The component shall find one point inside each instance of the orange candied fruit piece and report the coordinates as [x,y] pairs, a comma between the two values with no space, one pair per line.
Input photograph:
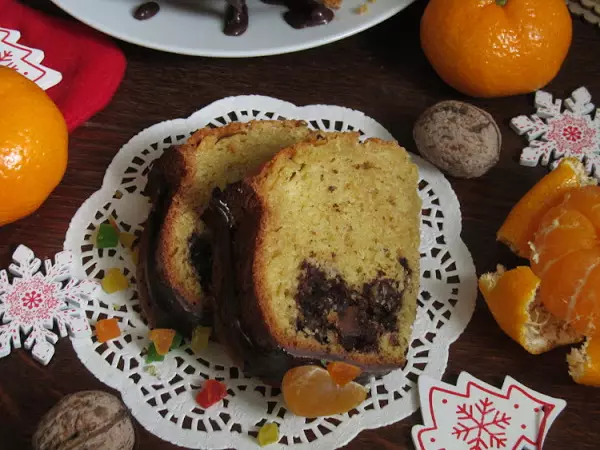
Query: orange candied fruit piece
[162,339]
[584,363]
[309,391]
[523,220]
[107,329]
[343,373]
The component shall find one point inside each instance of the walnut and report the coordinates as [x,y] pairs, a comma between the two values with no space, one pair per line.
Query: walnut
[86,420]
[458,138]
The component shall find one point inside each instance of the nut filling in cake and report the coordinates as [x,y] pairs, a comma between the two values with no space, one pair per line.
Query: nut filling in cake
[357,318]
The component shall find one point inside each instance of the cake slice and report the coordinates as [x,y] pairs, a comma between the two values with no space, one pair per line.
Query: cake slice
[175,265]
[317,257]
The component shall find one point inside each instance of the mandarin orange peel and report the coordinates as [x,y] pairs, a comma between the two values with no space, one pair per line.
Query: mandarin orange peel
[519,228]
[512,300]
[584,363]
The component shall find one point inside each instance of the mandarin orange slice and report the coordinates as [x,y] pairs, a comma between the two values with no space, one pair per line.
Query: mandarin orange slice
[511,298]
[561,231]
[523,220]
[343,373]
[584,363]
[309,391]
[570,290]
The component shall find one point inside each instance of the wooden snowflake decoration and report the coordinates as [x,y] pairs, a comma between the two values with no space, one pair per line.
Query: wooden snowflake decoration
[554,132]
[33,304]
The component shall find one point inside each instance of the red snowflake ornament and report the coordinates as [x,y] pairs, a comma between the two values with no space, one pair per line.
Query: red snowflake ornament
[33,303]
[476,416]
[555,132]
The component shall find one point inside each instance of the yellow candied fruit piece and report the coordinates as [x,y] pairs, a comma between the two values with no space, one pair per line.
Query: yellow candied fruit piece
[200,337]
[268,434]
[114,281]
[135,256]
[127,240]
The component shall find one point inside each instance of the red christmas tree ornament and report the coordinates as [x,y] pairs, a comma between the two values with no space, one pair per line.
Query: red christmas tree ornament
[476,416]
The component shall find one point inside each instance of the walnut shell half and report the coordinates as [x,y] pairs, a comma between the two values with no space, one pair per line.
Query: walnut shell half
[86,420]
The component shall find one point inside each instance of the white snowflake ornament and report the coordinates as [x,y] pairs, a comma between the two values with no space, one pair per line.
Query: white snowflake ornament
[33,303]
[555,132]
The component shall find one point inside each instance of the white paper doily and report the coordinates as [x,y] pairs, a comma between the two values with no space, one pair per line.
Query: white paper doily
[164,404]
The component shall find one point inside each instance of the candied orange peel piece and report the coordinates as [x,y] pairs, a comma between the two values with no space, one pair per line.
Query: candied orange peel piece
[162,339]
[310,391]
[343,373]
[523,220]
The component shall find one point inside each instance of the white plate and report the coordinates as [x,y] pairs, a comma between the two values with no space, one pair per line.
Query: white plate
[194,27]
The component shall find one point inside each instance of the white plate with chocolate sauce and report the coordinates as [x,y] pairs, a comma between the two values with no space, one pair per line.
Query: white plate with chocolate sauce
[197,27]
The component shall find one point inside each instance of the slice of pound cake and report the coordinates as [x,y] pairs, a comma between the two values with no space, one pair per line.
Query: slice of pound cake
[317,257]
[175,265]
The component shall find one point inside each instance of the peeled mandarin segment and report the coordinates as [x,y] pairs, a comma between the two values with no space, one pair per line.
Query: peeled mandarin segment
[107,329]
[561,231]
[570,290]
[586,200]
[162,339]
[309,391]
[584,363]
[342,373]
[524,219]
[508,296]
[268,434]
[114,281]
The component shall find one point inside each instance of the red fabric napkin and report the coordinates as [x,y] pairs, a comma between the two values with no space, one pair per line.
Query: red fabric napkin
[92,66]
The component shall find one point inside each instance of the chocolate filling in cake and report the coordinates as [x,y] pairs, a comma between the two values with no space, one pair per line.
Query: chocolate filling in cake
[358,318]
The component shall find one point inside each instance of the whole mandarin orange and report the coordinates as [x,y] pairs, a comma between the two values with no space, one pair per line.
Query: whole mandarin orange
[494,48]
[33,146]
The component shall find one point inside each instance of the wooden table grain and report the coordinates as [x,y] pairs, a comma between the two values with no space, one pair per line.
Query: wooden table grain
[381,72]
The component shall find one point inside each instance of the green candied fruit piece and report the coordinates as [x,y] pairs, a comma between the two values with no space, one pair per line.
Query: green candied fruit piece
[177,341]
[268,434]
[152,355]
[107,236]
[200,337]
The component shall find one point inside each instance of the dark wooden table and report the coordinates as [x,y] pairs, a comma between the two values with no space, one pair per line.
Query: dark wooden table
[381,72]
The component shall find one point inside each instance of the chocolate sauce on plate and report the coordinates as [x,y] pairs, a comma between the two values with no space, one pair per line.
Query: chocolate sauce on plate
[300,14]
[146,10]
[236,18]
[304,13]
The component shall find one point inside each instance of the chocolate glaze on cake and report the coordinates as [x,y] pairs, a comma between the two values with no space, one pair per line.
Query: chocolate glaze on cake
[161,305]
[233,217]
